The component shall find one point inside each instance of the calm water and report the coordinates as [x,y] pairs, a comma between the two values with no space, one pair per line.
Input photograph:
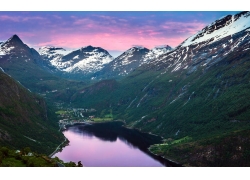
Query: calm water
[109,145]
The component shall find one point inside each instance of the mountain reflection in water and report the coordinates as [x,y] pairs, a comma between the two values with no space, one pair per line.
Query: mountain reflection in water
[110,145]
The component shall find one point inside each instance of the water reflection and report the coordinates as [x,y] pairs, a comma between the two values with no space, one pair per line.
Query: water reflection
[110,144]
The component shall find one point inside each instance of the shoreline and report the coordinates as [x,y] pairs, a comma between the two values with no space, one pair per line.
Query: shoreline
[170,160]
[58,147]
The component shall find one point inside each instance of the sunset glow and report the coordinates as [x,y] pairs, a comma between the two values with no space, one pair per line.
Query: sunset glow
[113,31]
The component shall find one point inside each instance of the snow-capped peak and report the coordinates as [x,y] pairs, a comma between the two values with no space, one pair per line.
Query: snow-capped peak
[132,50]
[132,53]
[221,28]
[11,44]
[137,47]
[162,46]
[156,52]
[88,48]
[159,50]
[45,50]
[87,59]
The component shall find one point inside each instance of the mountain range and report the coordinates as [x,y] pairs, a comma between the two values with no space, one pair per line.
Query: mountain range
[194,95]
[94,62]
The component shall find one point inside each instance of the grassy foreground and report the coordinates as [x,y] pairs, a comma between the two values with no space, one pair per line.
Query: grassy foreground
[26,158]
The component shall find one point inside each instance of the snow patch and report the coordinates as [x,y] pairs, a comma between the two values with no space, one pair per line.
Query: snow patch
[131,103]
[1,69]
[87,61]
[141,100]
[235,26]
[76,57]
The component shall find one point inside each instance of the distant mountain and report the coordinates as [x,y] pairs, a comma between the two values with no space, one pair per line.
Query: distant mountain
[96,63]
[155,53]
[14,52]
[129,61]
[123,64]
[14,46]
[25,120]
[51,54]
[77,64]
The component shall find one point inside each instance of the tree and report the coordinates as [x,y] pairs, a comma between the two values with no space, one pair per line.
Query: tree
[1,157]
[70,164]
[26,150]
[5,151]
[79,164]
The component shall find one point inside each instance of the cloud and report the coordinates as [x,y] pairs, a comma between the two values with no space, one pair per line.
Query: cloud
[123,20]
[32,18]
[105,17]
[82,21]
[19,18]
[57,17]
[111,30]
[9,18]
[183,27]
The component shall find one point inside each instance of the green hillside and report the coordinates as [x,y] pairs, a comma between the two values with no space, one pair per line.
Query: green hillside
[25,119]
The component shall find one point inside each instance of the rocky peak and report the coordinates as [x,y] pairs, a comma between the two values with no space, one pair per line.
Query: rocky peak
[14,41]
[13,45]
[163,47]
[49,48]
[89,49]
[158,50]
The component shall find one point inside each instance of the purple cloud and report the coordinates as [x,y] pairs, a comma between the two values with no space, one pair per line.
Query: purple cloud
[114,31]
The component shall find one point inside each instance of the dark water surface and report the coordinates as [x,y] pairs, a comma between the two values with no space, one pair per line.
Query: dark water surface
[110,145]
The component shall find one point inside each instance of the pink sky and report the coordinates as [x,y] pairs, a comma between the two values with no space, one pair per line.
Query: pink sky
[114,31]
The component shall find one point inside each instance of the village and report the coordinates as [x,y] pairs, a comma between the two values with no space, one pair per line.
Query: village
[73,116]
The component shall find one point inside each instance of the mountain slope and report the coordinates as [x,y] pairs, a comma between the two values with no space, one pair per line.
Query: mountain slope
[126,62]
[48,54]
[221,28]
[19,61]
[204,54]
[25,120]
[129,61]
[155,53]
